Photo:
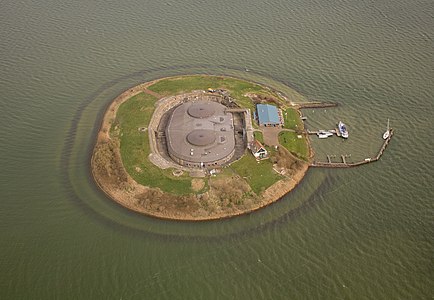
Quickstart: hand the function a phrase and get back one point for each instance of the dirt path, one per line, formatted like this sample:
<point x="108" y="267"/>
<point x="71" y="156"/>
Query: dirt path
<point x="271" y="135"/>
<point x="156" y="95"/>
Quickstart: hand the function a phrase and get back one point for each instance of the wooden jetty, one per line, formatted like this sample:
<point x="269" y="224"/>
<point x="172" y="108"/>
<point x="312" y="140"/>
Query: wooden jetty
<point x="345" y="164"/>
<point x="315" y="104"/>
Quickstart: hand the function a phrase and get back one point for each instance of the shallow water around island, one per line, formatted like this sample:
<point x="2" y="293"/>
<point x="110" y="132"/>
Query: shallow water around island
<point x="359" y="233"/>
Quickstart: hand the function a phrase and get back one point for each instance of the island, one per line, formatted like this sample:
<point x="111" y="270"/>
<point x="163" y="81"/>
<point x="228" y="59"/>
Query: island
<point x="202" y="147"/>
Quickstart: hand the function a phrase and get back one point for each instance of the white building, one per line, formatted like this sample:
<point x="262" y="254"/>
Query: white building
<point x="258" y="150"/>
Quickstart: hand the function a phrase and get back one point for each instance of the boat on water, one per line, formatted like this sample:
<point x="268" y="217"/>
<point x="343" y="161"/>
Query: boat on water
<point x="386" y="134"/>
<point x="322" y="134"/>
<point x="343" y="130"/>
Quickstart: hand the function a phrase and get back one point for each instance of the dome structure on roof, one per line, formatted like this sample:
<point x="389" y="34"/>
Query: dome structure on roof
<point x="201" y="110"/>
<point x="201" y="137"/>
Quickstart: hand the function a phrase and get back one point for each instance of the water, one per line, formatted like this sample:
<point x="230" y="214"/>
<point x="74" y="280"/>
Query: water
<point x="361" y="233"/>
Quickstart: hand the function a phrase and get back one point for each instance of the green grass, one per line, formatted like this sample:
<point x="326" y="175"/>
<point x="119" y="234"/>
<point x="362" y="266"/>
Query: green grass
<point x="259" y="136"/>
<point x="292" y="119"/>
<point x="259" y="175"/>
<point x="297" y="146"/>
<point x="134" y="147"/>
<point x="172" y="86"/>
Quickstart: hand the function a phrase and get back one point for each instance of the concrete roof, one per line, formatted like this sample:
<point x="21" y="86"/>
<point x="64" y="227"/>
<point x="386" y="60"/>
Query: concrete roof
<point x="200" y="131"/>
<point x="267" y="114"/>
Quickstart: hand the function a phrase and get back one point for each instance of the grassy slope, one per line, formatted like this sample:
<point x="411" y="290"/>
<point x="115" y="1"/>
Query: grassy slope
<point x="135" y="113"/>
<point x="290" y="141"/>
<point x="292" y="119"/>
<point x="259" y="136"/>
<point x="263" y="175"/>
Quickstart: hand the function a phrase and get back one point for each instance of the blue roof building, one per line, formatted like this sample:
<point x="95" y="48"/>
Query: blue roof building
<point x="267" y="115"/>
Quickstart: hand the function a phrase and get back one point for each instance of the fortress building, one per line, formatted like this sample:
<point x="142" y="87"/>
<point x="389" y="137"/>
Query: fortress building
<point x="200" y="134"/>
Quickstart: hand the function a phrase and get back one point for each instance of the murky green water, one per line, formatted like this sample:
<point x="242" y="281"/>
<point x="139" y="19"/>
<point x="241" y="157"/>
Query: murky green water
<point x="363" y="233"/>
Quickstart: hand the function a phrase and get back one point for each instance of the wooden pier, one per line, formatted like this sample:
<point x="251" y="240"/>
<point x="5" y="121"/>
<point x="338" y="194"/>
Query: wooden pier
<point x="345" y="164"/>
<point x="315" y="104"/>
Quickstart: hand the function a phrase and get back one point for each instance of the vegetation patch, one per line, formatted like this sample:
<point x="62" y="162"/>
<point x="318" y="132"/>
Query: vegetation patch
<point x="292" y="119"/>
<point x="197" y="184"/>
<point x="134" y="147"/>
<point x="294" y="144"/>
<point x="259" y="136"/>
<point x="258" y="174"/>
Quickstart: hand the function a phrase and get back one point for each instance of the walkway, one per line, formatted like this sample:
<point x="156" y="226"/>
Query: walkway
<point x="271" y="135"/>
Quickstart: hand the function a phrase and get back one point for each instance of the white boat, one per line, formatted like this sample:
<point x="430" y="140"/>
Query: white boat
<point x="386" y="134"/>
<point x="343" y="130"/>
<point x="322" y="134"/>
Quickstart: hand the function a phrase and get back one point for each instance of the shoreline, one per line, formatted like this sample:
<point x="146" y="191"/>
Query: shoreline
<point x="128" y="193"/>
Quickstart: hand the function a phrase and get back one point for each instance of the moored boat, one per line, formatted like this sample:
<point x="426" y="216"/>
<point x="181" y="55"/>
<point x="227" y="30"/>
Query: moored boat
<point x="343" y="130"/>
<point x="322" y="134"/>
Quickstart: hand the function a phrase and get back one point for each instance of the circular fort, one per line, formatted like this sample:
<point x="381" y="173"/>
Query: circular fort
<point x="200" y="134"/>
<point x="192" y="154"/>
<point x="199" y="131"/>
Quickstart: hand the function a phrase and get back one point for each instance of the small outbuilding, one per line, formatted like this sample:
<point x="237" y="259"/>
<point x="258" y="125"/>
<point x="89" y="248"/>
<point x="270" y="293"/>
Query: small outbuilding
<point x="258" y="150"/>
<point x="268" y="115"/>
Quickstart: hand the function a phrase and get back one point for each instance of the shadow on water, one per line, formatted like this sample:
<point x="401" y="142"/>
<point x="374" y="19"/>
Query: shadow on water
<point x="70" y="139"/>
